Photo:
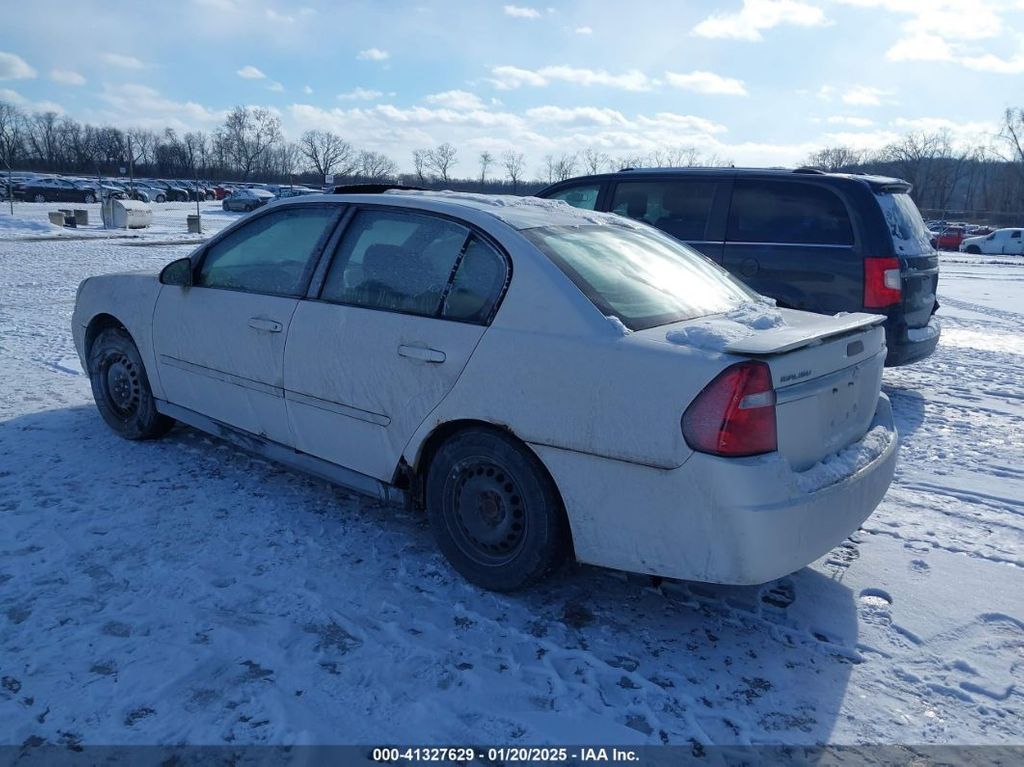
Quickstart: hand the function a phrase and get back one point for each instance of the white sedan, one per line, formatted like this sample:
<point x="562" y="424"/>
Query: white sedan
<point x="546" y="382"/>
<point x="1008" y="241"/>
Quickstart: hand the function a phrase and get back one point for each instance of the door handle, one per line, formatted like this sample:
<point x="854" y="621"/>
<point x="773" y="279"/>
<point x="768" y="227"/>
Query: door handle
<point x="424" y="353"/>
<point x="270" y="326"/>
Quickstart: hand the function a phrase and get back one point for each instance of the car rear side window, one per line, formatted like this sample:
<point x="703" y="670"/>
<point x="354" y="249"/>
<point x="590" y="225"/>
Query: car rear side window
<point x="583" y="196"/>
<point x="395" y="261"/>
<point x="787" y="212"/>
<point x="477" y="285"/>
<point x="678" y="208"/>
<point x="270" y="254"/>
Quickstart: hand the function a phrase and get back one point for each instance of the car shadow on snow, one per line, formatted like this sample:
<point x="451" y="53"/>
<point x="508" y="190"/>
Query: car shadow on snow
<point x="244" y="553"/>
<point x="907" y="408"/>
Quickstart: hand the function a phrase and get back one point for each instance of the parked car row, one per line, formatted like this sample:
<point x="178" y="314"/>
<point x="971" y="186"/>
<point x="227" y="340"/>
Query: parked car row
<point x="34" y="187"/>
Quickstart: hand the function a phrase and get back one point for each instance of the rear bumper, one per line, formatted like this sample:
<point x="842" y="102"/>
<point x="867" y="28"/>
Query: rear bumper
<point x="734" y="521"/>
<point x="908" y="345"/>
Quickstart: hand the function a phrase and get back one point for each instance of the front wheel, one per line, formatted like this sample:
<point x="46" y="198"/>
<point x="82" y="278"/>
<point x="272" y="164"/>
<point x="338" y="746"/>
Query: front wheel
<point x="494" y="511"/>
<point x="39" y="198"/>
<point x="121" y="388"/>
<point x="89" y="198"/>
<point x="974" y="249"/>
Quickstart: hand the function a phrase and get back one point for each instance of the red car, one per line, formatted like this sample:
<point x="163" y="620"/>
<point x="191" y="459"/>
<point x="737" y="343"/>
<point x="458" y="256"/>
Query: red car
<point x="950" y="238"/>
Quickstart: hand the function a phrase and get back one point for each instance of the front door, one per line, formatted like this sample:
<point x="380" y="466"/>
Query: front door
<point x="404" y="303"/>
<point x="220" y="343"/>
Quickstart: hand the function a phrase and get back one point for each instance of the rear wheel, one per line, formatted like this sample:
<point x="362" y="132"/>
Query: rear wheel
<point x="494" y="511"/>
<point x="121" y="388"/>
<point x="89" y="198"/>
<point x="39" y="198"/>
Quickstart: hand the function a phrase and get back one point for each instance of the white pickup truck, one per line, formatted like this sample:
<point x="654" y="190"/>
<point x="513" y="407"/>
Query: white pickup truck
<point x="1007" y="242"/>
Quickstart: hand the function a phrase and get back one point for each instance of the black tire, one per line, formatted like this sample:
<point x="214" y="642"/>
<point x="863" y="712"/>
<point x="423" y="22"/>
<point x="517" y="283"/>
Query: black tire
<point x="495" y="513"/>
<point x="121" y="388"/>
<point x="89" y="198"/>
<point x="161" y="198"/>
<point x="39" y="197"/>
<point x="974" y="249"/>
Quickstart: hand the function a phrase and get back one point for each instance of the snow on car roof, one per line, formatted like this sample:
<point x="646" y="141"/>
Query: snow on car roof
<point x="518" y="212"/>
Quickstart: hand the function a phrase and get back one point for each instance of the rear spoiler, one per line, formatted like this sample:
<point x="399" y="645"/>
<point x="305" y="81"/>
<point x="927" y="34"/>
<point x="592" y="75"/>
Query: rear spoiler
<point x="793" y="336"/>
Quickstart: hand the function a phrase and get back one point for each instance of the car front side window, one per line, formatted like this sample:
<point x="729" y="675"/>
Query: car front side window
<point x="271" y="254"/>
<point x="395" y="261"/>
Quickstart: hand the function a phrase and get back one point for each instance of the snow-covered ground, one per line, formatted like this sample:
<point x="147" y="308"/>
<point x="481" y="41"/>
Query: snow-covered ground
<point x="184" y="591"/>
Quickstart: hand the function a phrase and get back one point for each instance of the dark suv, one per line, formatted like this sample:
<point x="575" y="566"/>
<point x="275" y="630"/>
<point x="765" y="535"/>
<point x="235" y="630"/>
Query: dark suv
<point x="822" y="242"/>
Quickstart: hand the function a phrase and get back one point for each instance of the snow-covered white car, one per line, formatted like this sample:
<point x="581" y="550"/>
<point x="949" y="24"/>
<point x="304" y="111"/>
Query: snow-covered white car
<point x="545" y="381"/>
<point x="1009" y="242"/>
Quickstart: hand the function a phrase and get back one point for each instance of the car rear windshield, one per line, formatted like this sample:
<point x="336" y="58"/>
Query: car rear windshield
<point x="640" y="276"/>
<point x="909" y="234"/>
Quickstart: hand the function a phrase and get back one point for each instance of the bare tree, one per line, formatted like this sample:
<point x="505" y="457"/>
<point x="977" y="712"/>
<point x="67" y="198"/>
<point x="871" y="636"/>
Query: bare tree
<point x="12" y="136"/>
<point x="374" y="166"/>
<point x="559" y="168"/>
<point x="1012" y="133"/>
<point x="328" y="153"/>
<point x="43" y="138"/>
<point x="440" y="159"/>
<point x="486" y="160"/>
<point x="419" y="164"/>
<point x="834" y="158"/>
<point x="593" y="160"/>
<point x="514" y="163"/>
<point x="250" y="132"/>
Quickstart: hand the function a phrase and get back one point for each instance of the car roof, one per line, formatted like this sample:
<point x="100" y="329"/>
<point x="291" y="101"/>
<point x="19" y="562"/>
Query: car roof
<point x="877" y="182"/>
<point x="515" y="211"/>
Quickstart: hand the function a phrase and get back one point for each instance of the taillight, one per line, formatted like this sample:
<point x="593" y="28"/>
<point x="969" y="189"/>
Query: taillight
<point x="735" y="414"/>
<point x="882" y="282"/>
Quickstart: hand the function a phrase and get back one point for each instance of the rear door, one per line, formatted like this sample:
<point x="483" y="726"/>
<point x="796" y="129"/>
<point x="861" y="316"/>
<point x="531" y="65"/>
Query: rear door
<point x="1014" y="243"/>
<point x="793" y="240"/>
<point x="680" y="207"/>
<point x="220" y="343"/>
<point x="404" y="302"/>
<point x="919" y="262"/>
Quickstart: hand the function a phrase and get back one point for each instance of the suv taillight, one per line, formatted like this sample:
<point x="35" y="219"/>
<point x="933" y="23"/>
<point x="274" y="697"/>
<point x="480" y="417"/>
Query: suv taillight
<point x="882" y="282"/>
<point x="735" y="414"/>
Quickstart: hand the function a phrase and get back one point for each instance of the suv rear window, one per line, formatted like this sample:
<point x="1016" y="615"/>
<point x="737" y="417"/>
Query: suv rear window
<point x="640" y="276"/>
<point x="909" y="234"/>
<point x="788" y="212"/>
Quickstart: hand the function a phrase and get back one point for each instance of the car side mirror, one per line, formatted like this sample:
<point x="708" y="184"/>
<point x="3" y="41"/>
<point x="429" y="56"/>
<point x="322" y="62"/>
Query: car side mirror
<point x="177" y="273"/>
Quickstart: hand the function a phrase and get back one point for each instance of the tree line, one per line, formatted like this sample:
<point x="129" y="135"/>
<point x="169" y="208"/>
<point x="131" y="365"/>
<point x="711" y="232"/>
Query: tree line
<point x="250" y="146"/>
<point x="976" y="183"/>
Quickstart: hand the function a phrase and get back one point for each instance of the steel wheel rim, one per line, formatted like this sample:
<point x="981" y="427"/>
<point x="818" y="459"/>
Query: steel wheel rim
<point x="485" y="512"/>
<point x="121" y="385"/>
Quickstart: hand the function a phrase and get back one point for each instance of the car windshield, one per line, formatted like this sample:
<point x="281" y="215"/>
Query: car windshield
<point x="639" y="276"/>
<point x="909" y="234"/>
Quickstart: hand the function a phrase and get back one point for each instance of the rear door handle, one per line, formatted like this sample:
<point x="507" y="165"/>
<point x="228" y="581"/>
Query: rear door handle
<point x="270" y="326"/>
<point x="424" y="353"/>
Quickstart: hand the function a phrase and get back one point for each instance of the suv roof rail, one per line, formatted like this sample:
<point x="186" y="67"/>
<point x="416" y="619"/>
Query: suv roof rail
<point x="815" y="171"/>
<point x="372" y="188"/>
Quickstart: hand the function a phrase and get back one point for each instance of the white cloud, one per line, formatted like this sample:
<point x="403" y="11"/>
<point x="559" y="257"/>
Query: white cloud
<point x="145" y="107"/>
<point x="373" y="54"/>
<point x="455" y="100"/>
<point x="584" y="30"/>
<point x="853" y="122"/>
<point x="970" y="132"/>
<point x="920" y="46"/>
<point x="121" y="60"/>
<point x="758" y="15"/>
<point x="360" y="94"/>
<point x="707" y="82"/>
<point x="13" y="97"/>
<point x="279" y="18"/>
<point x="14" y="67"/>
<point x="520" y="12"/>
<point x="991" y="63"/>
<point x="275" y="86"/>
<point x="856" y="95"/>
<point x="861" y="139"/>
<point x="66" y="77"/>
<point x="249" y="72"/>
<point x="510" y="78"/>
<point x="597" y="116"/>
<point x="307" y="90"/>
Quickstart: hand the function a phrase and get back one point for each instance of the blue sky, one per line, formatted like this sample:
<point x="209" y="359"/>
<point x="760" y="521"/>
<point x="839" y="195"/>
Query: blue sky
<point x="758" y="82"/>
